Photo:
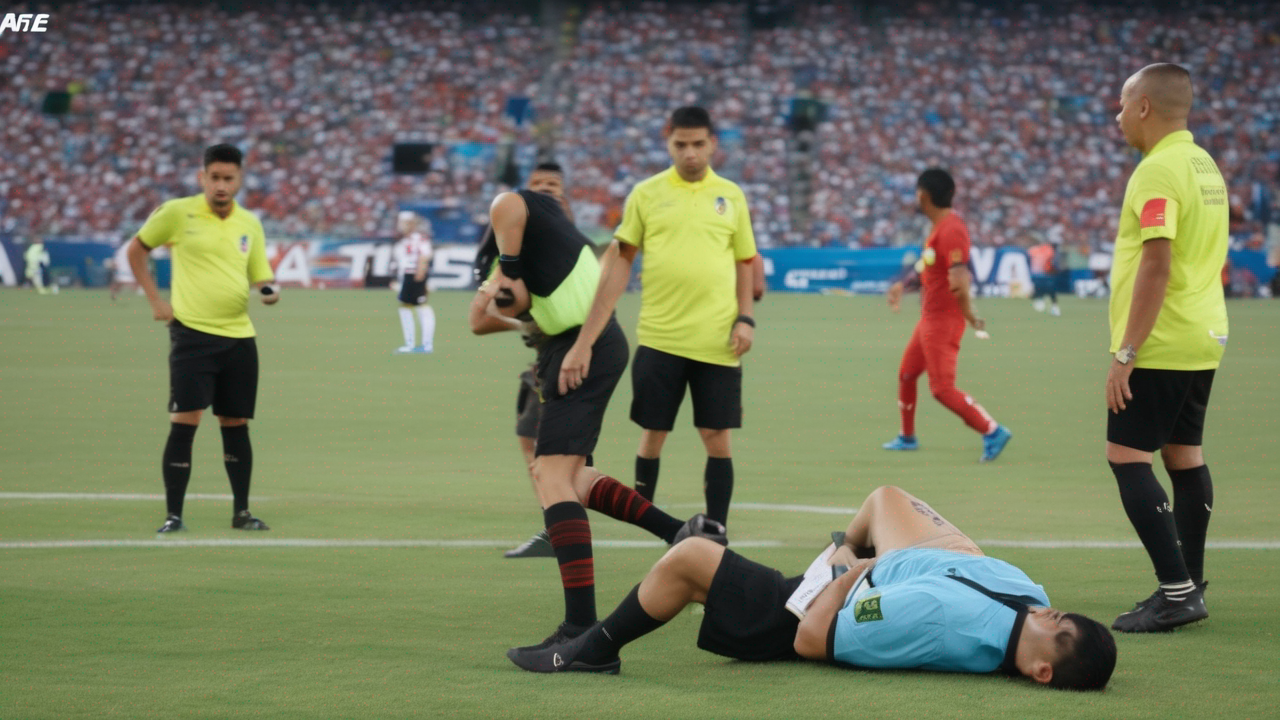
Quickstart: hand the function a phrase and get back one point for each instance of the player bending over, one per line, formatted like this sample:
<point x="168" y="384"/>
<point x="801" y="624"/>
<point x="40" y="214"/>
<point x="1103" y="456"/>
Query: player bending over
<point x="930" y="600"/>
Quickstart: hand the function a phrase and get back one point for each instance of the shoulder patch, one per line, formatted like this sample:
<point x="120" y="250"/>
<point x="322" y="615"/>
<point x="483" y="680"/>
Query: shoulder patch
<point x="868" y="609"/>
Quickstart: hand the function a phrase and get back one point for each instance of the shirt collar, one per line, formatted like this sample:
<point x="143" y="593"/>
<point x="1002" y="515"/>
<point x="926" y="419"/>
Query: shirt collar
<point x="1173" y="138"/>
<point x="675" y="179"/>
<point x="1010" y="664"/>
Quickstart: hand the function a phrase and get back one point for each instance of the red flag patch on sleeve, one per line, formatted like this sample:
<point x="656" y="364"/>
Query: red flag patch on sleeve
<point x="1153" y="213"/>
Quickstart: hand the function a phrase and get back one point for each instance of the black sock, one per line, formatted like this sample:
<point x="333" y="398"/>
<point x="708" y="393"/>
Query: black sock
<point x="1147" y="506"/>
<point x="1192" y="505"/>
<point x="237" y="454"/>
<point x="570" y="534"/>
<point x="717" y="484"/>
<point x="175" y="465"/>
<point x="647" y="476"/>
<point x="628" y="622"/>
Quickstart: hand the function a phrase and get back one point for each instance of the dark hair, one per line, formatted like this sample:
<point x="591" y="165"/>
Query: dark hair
<point x="1087" y="658"/>
<point x="553" y="167"/>
<point x="939" y="186"/>
<point x="691" y="117"/>
<point x="223" y="153"/>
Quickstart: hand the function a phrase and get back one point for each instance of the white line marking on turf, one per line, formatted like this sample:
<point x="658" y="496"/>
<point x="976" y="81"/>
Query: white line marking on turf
<point x="821" y="510"/>
<point x="319" y="543"/>
<point x="110" y="496"/>
<point x="613" y="544"/>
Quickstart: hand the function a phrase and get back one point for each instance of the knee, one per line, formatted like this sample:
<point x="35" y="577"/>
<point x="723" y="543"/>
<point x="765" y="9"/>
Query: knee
<point x="680" y="560"/>
<point x="1182" y="457"/>
<point x="883" y="493"/>
<point x="232" y="422"/>
<point x="716" y="441"/>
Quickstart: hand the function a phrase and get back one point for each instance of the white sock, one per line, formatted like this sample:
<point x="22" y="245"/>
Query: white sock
<point x="428" y="317"/>
<point x="406" y="323"/>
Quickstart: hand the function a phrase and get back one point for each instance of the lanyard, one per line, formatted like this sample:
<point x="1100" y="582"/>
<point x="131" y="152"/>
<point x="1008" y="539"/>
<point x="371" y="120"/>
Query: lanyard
<point x="1017" y="603"/>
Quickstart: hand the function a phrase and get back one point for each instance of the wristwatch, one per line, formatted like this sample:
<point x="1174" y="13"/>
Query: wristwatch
<point x="1126" y="355"/>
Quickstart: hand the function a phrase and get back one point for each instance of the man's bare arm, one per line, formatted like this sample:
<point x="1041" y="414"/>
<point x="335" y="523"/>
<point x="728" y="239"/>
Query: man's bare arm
<point x="959" y="280"/>
<point x="139" y="254"/>
<point x="811" y="636"/>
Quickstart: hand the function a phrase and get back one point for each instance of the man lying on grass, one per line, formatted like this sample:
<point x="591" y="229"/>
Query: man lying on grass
<point x="917" y="593"/>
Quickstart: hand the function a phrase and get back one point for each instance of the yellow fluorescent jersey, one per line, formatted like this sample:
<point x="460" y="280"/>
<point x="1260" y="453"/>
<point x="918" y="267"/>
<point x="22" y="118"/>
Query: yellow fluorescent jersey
<point x="1176" y="192"/>
<point x="214" y="262"/>
<point x="692" y="236"/>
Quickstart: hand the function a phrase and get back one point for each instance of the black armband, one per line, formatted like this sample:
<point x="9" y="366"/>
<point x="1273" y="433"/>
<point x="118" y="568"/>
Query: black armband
<point x="511" y="266"/>
<point x="745" y="319"/>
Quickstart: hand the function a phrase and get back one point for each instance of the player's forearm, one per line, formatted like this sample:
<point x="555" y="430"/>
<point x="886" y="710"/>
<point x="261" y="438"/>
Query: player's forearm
<point x="614" y="275"/>
<point x="424" y="262"/>
<point x="1149" y="287"/>
<point x="811" y="635"/>
<point x="746" y="287"/>
<point x="139" y="255"/>
<point x="960" y="290"/>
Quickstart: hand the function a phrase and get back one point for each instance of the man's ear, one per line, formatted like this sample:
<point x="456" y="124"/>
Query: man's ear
<point x="1041" y="672"/>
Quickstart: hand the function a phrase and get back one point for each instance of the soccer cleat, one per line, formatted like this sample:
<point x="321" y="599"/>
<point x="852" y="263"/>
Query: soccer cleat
<point x="563" y="657"/>
<point x="422" y="350"/>
<point x="563" y="634"/>
<point x="244" y="521"/>
<point x="172" y="523"/>
<point x="1055" y="311"/>
<point x="902" y="442"/>
<point x="537" y="546"/>
<point x="993" y="444"/>
<point x="1038" y="305"/>
<point x="704" y="527"/>
<point x="405" y="350"/>
<point x="1152" y="598"/>
<point x="1159" y="613"/>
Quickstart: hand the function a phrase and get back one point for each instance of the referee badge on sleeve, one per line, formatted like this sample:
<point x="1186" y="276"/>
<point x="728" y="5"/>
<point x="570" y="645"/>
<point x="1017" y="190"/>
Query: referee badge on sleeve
<point x="868" y="609"/>
<point x="721" y="206"/>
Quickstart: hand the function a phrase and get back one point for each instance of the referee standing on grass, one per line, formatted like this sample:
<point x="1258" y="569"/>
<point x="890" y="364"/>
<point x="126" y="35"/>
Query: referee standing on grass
<point x="696" y="308"/>
<point x="1168" y="333"/>
<point x="218" y="250"/>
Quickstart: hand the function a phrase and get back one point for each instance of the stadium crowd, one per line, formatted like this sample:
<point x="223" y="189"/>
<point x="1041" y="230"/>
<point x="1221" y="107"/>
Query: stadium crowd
<point x="1019" y="105"/>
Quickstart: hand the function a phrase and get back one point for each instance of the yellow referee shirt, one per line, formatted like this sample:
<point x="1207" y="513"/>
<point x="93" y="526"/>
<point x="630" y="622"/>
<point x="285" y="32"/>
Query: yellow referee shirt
<point x="692" y="235"/>
<point x="1177" y="193"/>
<point x="214" y="262"/>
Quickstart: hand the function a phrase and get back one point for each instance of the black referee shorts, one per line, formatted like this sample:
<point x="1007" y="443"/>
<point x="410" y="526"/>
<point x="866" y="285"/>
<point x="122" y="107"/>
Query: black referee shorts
<point x="747" y="616"/>
<point x="412" y="290"/>
<point x="528" y="407"/>
<point x="213" y="370"/>
<point x="1168" y="408"/>
<point x="658" y="380"/>
<point x="571" y="423"/>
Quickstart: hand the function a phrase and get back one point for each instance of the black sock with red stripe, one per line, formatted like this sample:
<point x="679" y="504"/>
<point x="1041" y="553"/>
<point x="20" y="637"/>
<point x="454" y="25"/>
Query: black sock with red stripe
<point x="620" y="502"/>
<point x="570" y="533"/>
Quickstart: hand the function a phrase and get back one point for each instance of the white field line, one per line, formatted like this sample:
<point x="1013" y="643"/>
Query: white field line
<point x="321" y="543"/>
<point x="612" y="544"/>
<point x="110" y="496"/>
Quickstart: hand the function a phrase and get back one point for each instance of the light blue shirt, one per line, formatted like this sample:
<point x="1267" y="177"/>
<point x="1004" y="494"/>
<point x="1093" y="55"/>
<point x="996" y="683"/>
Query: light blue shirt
<point x="917" y="617"/>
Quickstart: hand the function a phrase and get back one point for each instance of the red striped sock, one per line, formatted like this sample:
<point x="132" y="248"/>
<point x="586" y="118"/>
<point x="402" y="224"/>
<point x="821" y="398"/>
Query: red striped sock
<point x="620" y="502"/>
<point x="570" y="534"/>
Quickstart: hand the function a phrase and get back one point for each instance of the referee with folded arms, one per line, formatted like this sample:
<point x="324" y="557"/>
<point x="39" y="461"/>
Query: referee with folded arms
<point x="218" y="251"/>
<point x="1168" y="334"/>
<point x="694" y="229"/>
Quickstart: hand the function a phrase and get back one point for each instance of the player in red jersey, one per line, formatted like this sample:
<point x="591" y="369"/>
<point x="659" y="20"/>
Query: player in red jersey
<point x="935" y="344"/>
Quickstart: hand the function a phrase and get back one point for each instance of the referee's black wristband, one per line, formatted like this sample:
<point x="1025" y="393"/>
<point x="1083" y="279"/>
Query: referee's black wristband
<point x="745" y="319"/>
<point x="511" y="266"/>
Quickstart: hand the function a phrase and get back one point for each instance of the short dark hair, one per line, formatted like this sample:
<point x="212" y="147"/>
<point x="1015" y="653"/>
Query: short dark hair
<point x="223" y="153"/>
<point x="1088" y="658"/>
<point x="549" y="167"/>
<point x="939" y="186"/>
<point x="691" y="117"/>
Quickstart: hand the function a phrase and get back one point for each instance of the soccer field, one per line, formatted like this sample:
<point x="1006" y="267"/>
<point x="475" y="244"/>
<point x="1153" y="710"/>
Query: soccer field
<point x="393" y="484"/>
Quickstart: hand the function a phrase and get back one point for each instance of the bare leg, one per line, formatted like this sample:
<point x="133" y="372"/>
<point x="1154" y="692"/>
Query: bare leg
<point x="681" y="577"/>
<point x="892" y="519"/>
<point x="526" y="447"/>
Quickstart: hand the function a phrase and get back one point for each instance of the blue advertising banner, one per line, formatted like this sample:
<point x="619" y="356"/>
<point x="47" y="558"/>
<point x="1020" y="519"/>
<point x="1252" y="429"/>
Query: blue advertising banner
<point x="996" y="271"/>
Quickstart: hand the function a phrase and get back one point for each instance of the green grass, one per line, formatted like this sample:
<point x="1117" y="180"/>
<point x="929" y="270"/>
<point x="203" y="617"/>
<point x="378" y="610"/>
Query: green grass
<point x="352" y="442"/>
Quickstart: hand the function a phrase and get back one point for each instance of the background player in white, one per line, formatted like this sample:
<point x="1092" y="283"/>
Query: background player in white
<point x="121" y="273"/>
<point x="414" y="255"/>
